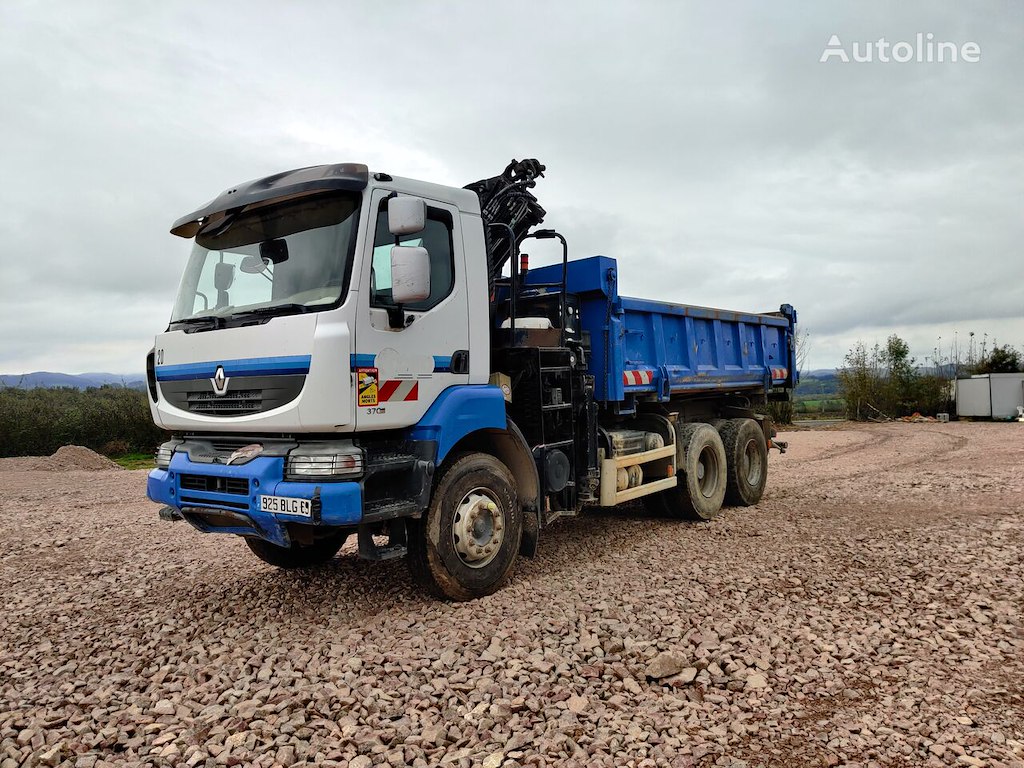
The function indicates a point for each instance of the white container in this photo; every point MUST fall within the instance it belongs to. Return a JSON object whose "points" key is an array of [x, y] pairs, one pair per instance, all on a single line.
{"points": [[990, 395]]}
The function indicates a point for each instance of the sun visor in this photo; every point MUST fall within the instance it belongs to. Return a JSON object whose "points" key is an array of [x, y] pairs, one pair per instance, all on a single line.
{"points": [[304, 181]]}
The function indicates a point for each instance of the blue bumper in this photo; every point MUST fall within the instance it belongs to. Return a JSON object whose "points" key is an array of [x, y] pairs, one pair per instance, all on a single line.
{"points": [[236, 491]]}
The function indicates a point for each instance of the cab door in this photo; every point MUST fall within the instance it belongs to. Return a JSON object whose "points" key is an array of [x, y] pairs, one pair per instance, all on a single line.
{"points": [[399, 368]]}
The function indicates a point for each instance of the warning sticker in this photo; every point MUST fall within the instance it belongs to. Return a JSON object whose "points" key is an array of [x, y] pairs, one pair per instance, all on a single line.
{"points": [[366, 386]]}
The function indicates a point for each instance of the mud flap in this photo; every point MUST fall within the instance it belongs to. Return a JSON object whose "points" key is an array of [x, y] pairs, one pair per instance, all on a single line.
{"points": [[531, 534]]}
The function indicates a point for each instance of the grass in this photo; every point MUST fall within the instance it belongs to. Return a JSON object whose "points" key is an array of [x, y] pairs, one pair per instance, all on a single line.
{"points": [[136, 461], [819, 407]]}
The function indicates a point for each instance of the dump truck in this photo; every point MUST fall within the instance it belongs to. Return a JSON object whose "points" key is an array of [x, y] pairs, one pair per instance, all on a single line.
{"points": [[352, 352]]}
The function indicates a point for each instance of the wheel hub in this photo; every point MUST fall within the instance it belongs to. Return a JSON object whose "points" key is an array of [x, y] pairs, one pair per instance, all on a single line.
{"points": [[751, 465], [478, 528], [707, 472]]}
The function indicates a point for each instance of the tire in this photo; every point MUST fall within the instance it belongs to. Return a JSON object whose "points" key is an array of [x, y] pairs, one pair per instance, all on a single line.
{"points": [[298, 555], [746, 455], [701, 469], [466, 544]]}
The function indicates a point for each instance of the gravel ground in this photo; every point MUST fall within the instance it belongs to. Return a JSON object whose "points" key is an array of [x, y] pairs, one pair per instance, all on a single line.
{"points": [[867, 612]]}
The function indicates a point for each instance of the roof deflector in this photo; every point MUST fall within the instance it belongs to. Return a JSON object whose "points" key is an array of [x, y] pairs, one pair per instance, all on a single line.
{"points": [[317, 178]]}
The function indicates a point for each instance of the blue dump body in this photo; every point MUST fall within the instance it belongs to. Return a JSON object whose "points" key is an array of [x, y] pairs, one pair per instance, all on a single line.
{"points": [[641, 347]]}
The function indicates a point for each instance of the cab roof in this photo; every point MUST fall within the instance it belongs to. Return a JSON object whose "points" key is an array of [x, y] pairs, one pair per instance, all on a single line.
{"points": [[350, 177]]}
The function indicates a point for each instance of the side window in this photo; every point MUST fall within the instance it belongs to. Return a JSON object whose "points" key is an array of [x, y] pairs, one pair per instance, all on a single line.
{"points": [[436, 237]]}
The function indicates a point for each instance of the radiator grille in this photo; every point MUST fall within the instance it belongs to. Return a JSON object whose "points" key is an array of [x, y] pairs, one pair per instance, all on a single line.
{"points": [[245, 395], [233, 403]]}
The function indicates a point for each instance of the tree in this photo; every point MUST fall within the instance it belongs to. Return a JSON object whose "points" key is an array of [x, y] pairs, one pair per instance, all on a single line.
{"points": [[860, 380], [901, 376], [886, 382], [1002, 359]]}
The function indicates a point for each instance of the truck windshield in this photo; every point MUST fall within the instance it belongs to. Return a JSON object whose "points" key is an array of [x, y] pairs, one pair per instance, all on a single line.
{"points": [[284, 258]]}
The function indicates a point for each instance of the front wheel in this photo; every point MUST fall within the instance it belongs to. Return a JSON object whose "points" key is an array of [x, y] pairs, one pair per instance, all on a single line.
{"points": [[298, 555], [466, 544]]}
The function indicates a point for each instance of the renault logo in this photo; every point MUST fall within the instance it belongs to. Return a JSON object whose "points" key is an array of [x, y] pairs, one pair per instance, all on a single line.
{"points": [[220, 382]]}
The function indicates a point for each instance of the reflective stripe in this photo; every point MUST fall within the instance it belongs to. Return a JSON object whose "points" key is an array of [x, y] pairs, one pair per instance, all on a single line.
{"points": [[637, 378], [399, 391]]}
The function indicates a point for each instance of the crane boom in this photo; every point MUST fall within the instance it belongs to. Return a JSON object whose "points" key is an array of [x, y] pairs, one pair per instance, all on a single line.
{"points": [[507, 200]]}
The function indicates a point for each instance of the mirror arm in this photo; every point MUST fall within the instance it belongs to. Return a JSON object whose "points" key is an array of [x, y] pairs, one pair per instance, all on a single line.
{"points": [[397, 240]]}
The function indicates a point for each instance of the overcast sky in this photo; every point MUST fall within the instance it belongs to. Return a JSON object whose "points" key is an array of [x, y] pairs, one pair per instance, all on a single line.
{"points": [[704, 146]]}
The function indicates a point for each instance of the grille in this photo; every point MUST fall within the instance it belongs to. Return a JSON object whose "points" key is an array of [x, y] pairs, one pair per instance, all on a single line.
{"points": [[247, 394], [234, 402], [213, 484]]}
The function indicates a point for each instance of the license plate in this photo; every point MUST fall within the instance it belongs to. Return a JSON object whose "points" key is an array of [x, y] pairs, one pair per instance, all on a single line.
{"points": [[285, 505]]}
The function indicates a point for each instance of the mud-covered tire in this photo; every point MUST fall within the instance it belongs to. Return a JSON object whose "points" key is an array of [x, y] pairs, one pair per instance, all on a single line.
{"points": [[474, 506], [298, 555], [699, 495], [701, 466], [746, 455]]}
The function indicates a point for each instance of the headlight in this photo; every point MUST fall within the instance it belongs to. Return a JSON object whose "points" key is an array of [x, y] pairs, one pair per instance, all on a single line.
{"points": [[334, 461], [164, 453]]}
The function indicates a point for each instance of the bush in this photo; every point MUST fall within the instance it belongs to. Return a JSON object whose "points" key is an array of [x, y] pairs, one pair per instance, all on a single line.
{"points": [[1002, 359], [36, 422], [116, 448], [885, 382]]}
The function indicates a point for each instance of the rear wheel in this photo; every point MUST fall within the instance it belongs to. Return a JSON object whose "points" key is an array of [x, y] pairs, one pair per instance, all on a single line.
{"points": [[466, 544], [298, 555], [747, 455], [701, 470]]}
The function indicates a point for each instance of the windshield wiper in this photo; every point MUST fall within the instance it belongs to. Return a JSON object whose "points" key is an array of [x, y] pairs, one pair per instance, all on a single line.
{"points": [[211, 321], [274, 310]]}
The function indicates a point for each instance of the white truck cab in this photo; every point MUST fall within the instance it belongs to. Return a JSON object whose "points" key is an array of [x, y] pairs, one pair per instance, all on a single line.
{"points": [[292, 299]]}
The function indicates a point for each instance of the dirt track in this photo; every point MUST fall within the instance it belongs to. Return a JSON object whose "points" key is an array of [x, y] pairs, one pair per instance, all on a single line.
{"points": [[868, 611]]}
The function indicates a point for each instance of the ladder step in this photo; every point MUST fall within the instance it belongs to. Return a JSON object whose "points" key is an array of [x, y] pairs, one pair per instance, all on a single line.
{"points": [[389, 509], [389, 462], [396, 546]]}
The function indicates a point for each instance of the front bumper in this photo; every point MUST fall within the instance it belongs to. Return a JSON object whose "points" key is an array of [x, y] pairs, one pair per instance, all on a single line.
{"points": [[219, 498]]}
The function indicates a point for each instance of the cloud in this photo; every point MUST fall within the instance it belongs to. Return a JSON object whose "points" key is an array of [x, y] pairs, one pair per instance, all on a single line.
{"points": [[710, 153]]}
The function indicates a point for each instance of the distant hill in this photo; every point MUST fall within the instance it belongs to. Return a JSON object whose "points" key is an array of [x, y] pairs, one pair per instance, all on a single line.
{"points": [[49, 379], [823, 381]]}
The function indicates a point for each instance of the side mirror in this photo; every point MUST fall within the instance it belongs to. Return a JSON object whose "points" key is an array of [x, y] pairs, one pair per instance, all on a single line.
{"points": [[406, 215], [223, 275], [410, 274]]}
